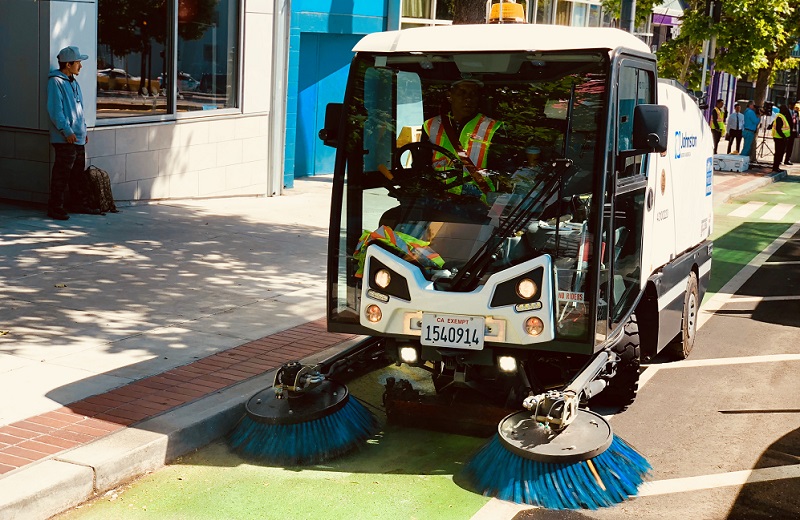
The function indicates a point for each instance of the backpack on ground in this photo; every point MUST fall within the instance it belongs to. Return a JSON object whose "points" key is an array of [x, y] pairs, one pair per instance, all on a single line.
{"points": [[98, 190]]}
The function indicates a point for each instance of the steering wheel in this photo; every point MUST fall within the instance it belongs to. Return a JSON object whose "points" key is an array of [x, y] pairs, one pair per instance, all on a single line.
{"points": [[421, 171]]}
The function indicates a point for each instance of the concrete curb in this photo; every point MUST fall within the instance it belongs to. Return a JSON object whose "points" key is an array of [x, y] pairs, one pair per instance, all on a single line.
{"points": [[750, 186], [52, 486]]}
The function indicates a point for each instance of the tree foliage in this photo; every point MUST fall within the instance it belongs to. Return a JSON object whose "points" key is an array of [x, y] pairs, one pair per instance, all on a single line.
{"points": [[644, 8], [469, 11], [754, 38]]}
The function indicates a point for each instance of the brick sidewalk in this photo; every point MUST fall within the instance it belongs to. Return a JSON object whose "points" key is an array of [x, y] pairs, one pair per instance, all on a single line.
{"points": [[84, 421]]}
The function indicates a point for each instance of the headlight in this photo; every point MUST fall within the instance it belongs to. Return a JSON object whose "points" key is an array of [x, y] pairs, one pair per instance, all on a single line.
{"points": [[507, 364], [534, 326], [373, 313], [526, 288], [383, 278], [409, 355]]}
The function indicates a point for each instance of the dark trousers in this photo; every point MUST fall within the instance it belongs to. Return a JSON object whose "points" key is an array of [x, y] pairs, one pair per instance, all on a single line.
{"points": [[68, 170], [780, 150], [717, 136], [735, 135], [789, 148]]}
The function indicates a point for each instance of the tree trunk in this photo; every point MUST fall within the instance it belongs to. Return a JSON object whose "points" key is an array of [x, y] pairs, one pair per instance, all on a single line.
{"points": [[762, 81], [469, 11]]}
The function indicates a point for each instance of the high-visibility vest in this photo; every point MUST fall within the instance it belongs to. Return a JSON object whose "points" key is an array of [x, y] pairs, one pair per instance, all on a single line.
{"points": [[412, 249], [475, 138], [785, 130], [718, 120]]}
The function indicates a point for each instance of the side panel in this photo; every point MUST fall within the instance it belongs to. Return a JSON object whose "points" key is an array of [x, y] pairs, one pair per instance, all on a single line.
{"points": [[680, 210], [691, 169], [671, 287]]}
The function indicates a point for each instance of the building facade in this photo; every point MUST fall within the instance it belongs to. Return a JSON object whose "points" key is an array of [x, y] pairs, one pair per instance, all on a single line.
{"points": [[198, 98]]}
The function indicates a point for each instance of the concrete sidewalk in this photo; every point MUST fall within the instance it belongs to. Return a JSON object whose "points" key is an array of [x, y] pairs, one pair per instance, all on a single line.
{"points": [[132, 338]]}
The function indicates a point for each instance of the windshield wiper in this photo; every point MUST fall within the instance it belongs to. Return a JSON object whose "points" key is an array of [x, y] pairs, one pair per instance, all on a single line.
{"points": [[519, 218]]}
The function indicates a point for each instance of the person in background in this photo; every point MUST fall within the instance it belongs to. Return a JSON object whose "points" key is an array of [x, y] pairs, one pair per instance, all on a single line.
{"points": [[793, 122], [735, 124], [68, 133], [781, 131], [751, 121], [717, 123]]}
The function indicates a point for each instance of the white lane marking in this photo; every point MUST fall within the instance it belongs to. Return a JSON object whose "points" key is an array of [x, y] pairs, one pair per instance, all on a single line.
{"points": [[778, 212], [733, 478], [782, 262], [691, 363], [759, 299], [717, 301], [746, 210], [495, 509], [727, 291]]}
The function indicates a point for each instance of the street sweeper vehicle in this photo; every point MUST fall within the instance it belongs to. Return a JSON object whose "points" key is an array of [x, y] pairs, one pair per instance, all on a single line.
{"points": [[523, 211]]}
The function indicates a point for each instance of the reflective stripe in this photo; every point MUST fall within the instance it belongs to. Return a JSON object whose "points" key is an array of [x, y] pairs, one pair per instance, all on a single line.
{"points": [[475, 138]]}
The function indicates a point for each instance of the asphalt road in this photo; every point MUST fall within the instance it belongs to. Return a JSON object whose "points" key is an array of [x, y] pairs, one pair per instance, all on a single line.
{"points": [[722, 429]]}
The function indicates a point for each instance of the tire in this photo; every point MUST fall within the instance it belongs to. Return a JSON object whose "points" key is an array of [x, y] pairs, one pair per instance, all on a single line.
{"points": [[623, 387], [682, 346]]}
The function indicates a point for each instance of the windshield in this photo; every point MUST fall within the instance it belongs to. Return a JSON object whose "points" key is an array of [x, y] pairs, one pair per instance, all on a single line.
{"points": [[467, 164]]}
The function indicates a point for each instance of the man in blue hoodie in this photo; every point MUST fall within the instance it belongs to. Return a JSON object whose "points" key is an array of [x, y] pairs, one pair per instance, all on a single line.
{"points": [[67, 129]]}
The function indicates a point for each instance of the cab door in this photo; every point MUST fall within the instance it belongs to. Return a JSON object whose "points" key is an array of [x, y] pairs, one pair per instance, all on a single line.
{"points": [[635, 85]]}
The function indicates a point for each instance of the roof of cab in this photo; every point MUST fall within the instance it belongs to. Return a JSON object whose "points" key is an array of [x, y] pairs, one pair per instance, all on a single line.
{"points": [[499, 38]]}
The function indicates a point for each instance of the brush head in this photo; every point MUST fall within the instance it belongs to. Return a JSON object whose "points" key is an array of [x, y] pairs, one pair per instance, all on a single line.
{"points": [[586, 437], [318, 425], [294, 408]]}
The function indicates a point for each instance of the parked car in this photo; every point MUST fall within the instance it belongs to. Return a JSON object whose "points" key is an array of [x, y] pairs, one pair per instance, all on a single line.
{"points": [[186, 83], [118, 79]]}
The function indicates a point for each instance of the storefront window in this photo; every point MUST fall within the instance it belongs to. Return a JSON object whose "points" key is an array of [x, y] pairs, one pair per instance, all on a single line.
{"points": [[135, 56], [594, 16], [579, 15], [544, 11], [421, 13], [130, 57], [207, 54], [562, 13]]}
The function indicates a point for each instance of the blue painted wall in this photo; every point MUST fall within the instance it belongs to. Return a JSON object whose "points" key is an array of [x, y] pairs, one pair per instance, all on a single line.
{"points": [[322, 34]]}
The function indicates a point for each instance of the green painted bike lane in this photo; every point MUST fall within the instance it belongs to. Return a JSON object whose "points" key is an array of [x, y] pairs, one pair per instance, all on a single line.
{"points": [[402, 473]]}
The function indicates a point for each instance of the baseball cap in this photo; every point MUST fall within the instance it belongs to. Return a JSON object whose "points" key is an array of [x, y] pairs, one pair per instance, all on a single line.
{"points": [[68, 54], [467, 80]]}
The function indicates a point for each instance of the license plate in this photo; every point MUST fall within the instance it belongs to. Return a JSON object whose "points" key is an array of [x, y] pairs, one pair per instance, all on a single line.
{"points": [[452, 330]]}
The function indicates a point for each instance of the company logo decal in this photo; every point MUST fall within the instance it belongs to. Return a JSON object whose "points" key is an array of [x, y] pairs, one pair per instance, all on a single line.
{"points": [[683, 144], [709, 175]]}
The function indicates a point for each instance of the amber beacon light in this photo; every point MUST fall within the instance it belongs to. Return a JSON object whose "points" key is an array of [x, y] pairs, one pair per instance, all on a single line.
{"points": [[507, 11]]}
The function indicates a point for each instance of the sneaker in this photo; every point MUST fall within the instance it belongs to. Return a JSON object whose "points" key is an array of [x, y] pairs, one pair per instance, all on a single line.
{"points": [[788, 163], [57, 214]]}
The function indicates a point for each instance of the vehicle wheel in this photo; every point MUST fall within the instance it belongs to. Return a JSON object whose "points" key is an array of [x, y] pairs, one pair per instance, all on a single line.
{"points": [[623, 387], [683, 344]]}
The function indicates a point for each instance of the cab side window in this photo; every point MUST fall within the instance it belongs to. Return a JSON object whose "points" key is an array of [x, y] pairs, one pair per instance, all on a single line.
{"points": [[635, 87]]}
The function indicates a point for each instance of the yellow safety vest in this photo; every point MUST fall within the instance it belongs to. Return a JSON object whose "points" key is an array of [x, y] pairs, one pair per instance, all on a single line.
{"points": [[475, 138], [718, 120], [412, 249], [785, 131]]}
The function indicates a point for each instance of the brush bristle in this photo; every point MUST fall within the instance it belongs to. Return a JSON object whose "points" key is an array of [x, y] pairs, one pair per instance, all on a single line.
{"points": [[305, 443], [495, 471]]}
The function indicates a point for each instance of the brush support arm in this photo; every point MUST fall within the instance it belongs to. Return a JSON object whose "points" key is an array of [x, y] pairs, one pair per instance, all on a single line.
{"points": [[295, 378], [558, 408]]}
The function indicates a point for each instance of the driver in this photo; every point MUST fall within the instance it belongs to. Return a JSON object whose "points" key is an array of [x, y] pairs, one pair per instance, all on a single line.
{"points": [[464, 131]]}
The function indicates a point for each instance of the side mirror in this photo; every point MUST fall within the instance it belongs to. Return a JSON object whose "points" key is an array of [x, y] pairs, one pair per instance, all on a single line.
{"points": [[650, 128], [333, 119]]}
